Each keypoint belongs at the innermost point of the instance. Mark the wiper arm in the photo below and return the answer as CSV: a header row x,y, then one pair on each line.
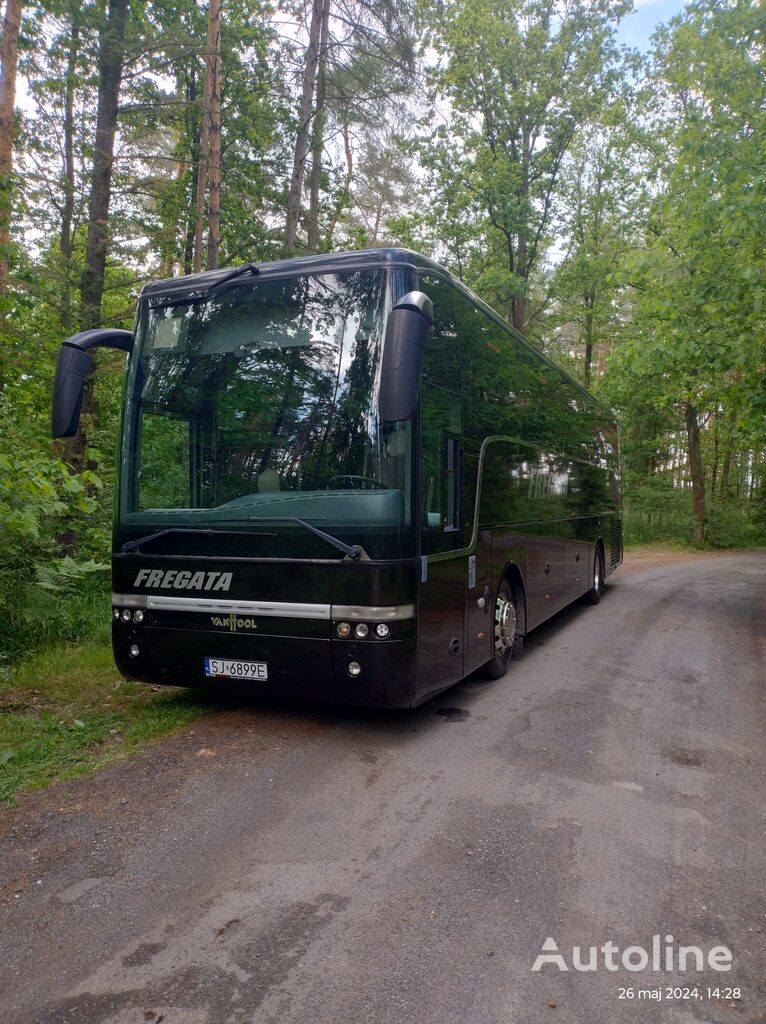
x,y
135,545
248,268
352,550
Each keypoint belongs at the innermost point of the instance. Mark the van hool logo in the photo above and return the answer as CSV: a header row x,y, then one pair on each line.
x,y
173,579
232,623
661,957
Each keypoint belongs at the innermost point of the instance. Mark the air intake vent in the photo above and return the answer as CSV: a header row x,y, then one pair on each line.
x,y
616,541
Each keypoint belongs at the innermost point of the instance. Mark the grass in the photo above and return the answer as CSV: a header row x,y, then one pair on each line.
x,y
66,711
661,547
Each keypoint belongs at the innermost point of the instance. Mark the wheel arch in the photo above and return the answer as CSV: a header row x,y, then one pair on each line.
x,y
600,548
512,573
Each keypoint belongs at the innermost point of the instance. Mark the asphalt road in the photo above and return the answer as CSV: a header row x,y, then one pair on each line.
x,y
304,866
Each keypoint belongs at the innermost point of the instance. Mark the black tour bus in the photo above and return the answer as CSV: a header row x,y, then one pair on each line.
x,y
343,477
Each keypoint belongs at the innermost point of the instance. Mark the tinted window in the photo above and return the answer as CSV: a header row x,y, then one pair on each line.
x,y
262,401
449,451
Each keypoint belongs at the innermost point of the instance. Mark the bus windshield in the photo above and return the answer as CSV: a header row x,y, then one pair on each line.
x,y
259,402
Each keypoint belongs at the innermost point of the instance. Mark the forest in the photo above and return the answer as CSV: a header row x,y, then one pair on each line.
x,y
609,202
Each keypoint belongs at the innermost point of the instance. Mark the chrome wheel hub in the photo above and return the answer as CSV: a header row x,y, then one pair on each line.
x,y
597,574
505,625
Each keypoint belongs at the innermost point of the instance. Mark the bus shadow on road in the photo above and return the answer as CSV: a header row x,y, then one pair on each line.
x,y
549,632
457,703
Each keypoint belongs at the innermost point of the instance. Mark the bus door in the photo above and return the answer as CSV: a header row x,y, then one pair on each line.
x,y
441,613
444,570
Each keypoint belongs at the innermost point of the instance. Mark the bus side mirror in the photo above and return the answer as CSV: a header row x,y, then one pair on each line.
x,y
407,329
74,365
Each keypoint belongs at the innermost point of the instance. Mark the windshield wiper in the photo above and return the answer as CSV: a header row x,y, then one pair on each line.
x,y
135,545
248,268
352,550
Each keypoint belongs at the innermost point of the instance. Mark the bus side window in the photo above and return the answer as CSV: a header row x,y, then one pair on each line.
x,y
445,442
439,471
441,425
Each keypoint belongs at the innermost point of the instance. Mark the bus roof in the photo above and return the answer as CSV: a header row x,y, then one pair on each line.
x,y
322,263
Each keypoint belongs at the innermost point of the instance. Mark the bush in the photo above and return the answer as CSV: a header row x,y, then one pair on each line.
x,y
660,512
65,600
732,525
44,598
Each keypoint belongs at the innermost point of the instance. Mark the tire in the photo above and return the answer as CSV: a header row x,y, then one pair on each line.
x,y
506,638
593,596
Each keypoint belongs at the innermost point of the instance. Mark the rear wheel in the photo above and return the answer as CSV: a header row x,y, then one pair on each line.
x,y
597,578
505,636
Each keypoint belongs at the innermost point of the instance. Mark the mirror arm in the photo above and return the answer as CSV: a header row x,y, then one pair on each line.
x,y
72,370
102,337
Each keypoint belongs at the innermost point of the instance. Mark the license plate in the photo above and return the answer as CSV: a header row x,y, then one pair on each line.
x,y
236,669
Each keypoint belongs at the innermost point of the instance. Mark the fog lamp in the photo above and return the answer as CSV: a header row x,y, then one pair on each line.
x,y
138,615
382,630
125,614
361,630
133,650
354,668
343,629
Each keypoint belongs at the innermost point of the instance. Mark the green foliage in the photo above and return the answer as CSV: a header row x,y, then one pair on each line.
x,y
657,511
35,489
519,84
65,712
660,511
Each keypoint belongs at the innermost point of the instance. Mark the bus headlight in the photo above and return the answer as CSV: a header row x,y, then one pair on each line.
x,y
138,615
133,651
361,630
382,630
343,629
125,614
115,613
354,669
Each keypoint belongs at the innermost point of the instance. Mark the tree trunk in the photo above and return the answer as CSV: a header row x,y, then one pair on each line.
x,y
727,457
204,150
519,303
170,242
376,223
345,193
67,214
716,451
9,59
697,474
317,134
302,138
194,140
214,137
590,302
111,55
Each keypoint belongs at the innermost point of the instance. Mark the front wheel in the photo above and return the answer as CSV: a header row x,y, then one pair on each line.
x,y
505,637
597,579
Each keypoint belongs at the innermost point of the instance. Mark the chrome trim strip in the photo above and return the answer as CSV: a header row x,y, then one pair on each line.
x,y
272,609
388,613
130,600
